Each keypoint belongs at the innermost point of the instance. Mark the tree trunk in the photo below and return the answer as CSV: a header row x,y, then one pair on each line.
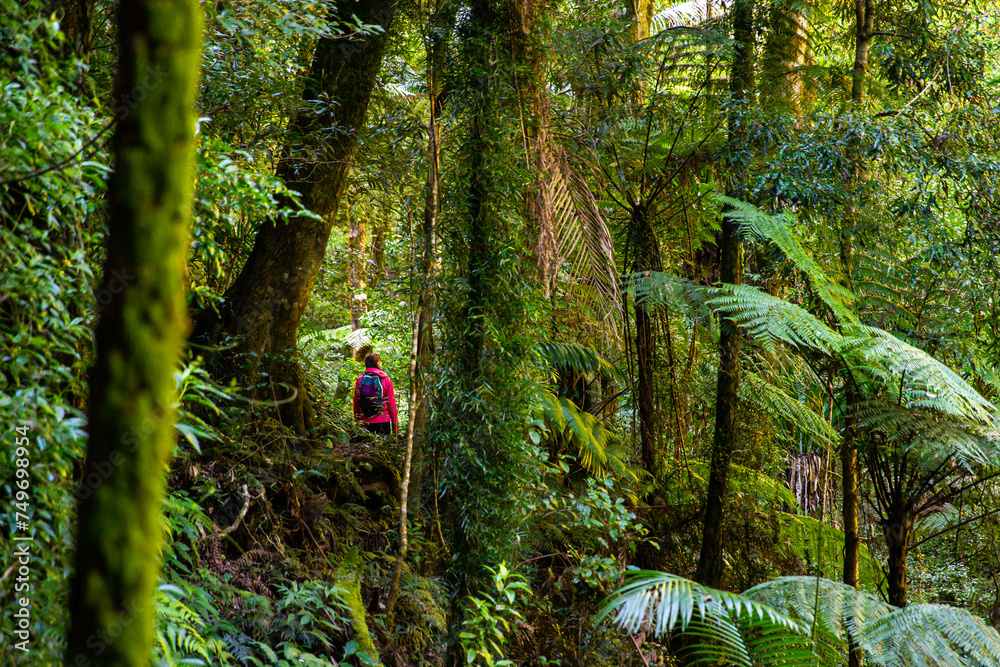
x,y
263,306
421,344
646,251
849,487
138,339
897,537
710,567
786,49
864,23
356,284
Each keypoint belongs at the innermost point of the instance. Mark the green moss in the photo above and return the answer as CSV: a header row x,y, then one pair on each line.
x,y
348,578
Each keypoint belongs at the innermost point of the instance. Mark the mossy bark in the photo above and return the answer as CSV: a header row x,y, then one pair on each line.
x,y
347,578
138,339
263,306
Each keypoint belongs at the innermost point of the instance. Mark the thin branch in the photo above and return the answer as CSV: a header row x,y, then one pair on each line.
x,y
64,163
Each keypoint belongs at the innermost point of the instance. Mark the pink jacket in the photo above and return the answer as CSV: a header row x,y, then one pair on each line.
x,y
389,396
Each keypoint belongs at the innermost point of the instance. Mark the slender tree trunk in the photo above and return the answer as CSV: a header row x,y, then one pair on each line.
x,y
356,284
138,339
864,21
421,342
849,488
263,306
710,567
897,537
646,251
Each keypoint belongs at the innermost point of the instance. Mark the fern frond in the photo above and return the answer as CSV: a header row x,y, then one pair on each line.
x,y
583,239
933,436
812,539
746,480
579,358
777,229
776,401
927,381
655,289
921,635
770,320
737,629
596,446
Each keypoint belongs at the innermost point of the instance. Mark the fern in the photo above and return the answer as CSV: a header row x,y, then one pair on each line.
x,y
576,357
921,635
737,629
815,540
746,480
933,436
777,229
770,320
654,289
774,400
597,447
926,382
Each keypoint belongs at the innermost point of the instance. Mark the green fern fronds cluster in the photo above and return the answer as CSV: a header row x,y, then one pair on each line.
x,y
728,628
920,635
800,622
598,448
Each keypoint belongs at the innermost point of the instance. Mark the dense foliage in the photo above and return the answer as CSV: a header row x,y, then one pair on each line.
x,y
533,211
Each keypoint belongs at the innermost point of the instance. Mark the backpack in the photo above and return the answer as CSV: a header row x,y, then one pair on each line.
x,y
370,395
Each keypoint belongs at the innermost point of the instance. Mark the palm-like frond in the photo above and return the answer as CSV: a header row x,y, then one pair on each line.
x,y
583,240
774,400
921,635
933,436
655,289
682,14
597,447
737,629
580,358
927,383
778,229
770,320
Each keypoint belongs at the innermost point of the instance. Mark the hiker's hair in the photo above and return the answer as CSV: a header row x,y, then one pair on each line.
x,y
373,361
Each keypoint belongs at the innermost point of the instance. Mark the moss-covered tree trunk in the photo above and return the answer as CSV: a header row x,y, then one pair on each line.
x,y
138,340
710,565
263,306
477,423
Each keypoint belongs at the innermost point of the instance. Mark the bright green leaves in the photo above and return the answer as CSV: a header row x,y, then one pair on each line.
x,y
724,627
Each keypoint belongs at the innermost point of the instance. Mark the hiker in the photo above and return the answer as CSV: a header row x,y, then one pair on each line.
x,y
374,398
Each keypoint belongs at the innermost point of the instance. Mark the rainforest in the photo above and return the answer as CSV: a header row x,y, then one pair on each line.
x,y
485,333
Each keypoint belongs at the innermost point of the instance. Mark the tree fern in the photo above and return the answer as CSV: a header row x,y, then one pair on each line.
x,y
777,229
921,635
734,629
775,400
822,544
931,435
770,320
927,382
655,289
